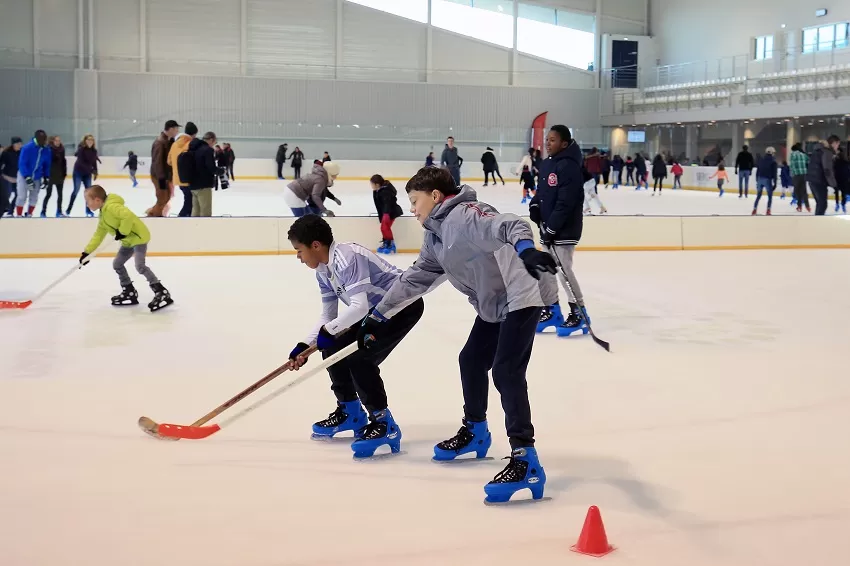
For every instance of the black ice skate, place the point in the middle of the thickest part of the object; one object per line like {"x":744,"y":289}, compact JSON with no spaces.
{"x":161,"y":297}
{"x":128,"y":297}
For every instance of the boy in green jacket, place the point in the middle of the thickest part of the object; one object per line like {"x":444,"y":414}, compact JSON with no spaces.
{"x":117,"y":219}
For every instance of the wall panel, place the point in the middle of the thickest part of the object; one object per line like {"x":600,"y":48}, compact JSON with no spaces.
{"x":381,"y":47}
{"x":57,"y":36}
{"x":16,"y":33}
{"x":116,"y":39}
{"x":292,"y":38}
{"x":459,"y":60}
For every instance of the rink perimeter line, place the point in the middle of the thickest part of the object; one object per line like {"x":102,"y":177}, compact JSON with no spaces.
{"x":416,"y":251}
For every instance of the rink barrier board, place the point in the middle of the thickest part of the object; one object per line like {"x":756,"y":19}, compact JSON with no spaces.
{"x":240,"y":236}
{"x":252,"y":169}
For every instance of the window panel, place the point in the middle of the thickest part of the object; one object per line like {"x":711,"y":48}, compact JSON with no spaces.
{"x":810,"y":39}
{"x":411,"y":9}
{"x":826,"y":35}
{"x":486,"y":24}
{"x":562,"y":44}
{"x":537,"y":13}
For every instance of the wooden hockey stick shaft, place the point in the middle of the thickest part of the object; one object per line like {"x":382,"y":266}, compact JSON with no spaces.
{"x":244,"y":393}
{"x":67,"y":274}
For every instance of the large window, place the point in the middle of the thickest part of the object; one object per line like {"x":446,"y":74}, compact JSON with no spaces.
{"x":764,"y":47}
{"x":558,"y":35}
{"x":487,"y":20}
{"x":412,"y":9}
{"x":825,"y":38}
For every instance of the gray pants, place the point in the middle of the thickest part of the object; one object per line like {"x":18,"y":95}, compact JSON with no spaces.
{"x":564,"y":256}
{"x":123,"y":255}
{"x":25,"y":193}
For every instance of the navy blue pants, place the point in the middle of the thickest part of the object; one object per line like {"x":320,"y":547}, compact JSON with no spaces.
{"x":505,"y":348}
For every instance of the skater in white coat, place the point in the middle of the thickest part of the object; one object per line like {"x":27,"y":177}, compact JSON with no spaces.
{"x":590,"y":195}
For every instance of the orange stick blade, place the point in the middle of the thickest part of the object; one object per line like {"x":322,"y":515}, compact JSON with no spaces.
{"x":14,"y":304}
{"x":187,"y":432}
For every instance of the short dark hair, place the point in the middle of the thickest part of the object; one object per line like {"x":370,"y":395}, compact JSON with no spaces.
{"x":97,"y":192}
{"x":833,"y":138}
{"x":210,"y":136}
{"x":450,"y":138}
{"x":746,"y":147}
{"x":377,"y":179}
{"x":433,"y":179}
{"x":797,"y":147}
{"x":563,"y":132}
{"x":309,"y":229}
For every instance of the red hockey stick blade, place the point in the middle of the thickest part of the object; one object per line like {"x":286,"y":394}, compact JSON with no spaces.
{"x":14,"y":304}
{"x":187,"y":432}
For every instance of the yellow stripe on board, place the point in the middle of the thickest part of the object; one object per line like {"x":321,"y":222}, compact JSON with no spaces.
{"x":416,"y":251}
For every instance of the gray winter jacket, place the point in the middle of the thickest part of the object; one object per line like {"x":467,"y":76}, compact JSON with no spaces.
{"x":821,"y":167}
{"x":312,"y":187}
{"x":473,"y":246}
{"x":450,"y":158}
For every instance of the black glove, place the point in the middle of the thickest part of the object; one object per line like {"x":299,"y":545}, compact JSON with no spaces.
{"x":83,"y":257}
{"x":30,"y":183}
{"x":45,"y":183}
{"x":534,"y":213}
{"x":299,"y":349}
{"x":119,"y":236}
{"x":535,"y":261}
{"x":547,"y":237}
{"x":370,"y":330}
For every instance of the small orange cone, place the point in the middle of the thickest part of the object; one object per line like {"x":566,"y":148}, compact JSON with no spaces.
{"x":593,"y":541}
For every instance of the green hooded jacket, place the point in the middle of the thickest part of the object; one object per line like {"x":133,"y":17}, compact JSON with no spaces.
{"x":115,"y":217}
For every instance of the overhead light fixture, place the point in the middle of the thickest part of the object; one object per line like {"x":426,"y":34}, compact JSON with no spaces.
{"x":796,"y":117}
{"x":625,"y":39}
{"x":634,"y":125}
{"x":679,"y":123}
{"x":782,"y":26}
{"x":821,"y":121}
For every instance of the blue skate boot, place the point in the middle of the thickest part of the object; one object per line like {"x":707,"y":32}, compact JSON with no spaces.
{"x":382,"y":430}
{"x":389,"y":247}
{"x":382,"y":249}
{"x":471,"y":437}
{"x":523,"y":471}
{"x":349,"y":415}
{"x":573,"y":322}
{"x":551,"y":316}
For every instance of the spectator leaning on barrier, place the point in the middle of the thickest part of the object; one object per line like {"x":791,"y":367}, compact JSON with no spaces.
{"x":821,"y":173}
{"x":160,"y":175}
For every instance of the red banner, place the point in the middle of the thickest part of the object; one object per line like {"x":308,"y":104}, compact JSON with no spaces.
{"x":538,"y":132}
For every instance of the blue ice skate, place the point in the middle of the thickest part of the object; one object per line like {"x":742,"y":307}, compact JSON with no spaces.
{"x":388,"y":247}
{"x":551,"y":316}
{"x":524,"y":200}
{"x":471,"y":437}
{"x":793,"y":201}
{"x":349,"y":415}
{"x":381,"y":431}
{"x":721,"y":193}
{"x":523,"y":471}
{"x":574,"y":322}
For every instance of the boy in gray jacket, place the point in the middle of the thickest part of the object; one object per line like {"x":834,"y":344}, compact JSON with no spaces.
{"x":490,"y":258}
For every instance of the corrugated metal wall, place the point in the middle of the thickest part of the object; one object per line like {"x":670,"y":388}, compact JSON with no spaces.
{"x":33,"y":99}
{"x":292,"y":38}
{"x":381,"y":47}
{"x":193,"y":36}
{"x":117,"y":40}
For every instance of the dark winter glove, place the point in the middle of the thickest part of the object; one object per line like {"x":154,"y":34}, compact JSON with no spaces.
{"x":45,"y":183}
{"x":534,"y":213}
{"x":119,"y":236}
{"x":30,"y":183}
{"x":547,"y":237}
{"x":325,"y":340}
{"x":299,"y":349}
{"x":83,"y":257}
{"x":370,"y":330}
{"x":535,"y":260}
{"x":336,"y":200}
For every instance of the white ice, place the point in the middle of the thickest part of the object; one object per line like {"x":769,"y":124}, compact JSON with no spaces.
{"x":715,"y":433}
{"x":264,"y":198}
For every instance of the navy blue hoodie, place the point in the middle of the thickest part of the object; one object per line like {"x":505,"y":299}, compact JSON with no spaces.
{"x":560,"y":196}
{"x":768,"y":168}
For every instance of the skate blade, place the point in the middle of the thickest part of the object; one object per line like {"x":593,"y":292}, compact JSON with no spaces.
{"x":463,"y":461}
{"x":516,"y":502}
{"x":379,"y":457}
{"x":332,"y":439}
{"x":159,"y":307}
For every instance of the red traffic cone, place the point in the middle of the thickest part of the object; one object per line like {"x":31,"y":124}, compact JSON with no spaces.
{"x":593,"y":541}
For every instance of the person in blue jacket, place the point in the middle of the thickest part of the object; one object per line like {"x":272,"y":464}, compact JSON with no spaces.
{"x":766,"y":179}
{"x":557,"y":210}
{"x":33,"y":172}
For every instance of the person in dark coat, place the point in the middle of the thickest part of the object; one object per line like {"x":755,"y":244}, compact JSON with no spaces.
{"x":386,"y":203}
{"x":766,"y":179}
{"x":429,"y":160}
{"x":606,"y":169}
{"x":659,"y":173}
{"x":491,"y":166}
{"x":280,"y":159}
{"x":842,"y":180}
{"x":229,"y":158}
{"x":744,"y":165}
{"x":132,"y":164}
{"x":85,"y":169}
{"x":640,"y":172}
{"x":617,"y":165}
{"x":326,"y":157}
{"x":821,"y":173}
{"x":9,"y":175}
{"x":297,"y":159}
{"x":58,"y":172}
{"x":206,"y":172}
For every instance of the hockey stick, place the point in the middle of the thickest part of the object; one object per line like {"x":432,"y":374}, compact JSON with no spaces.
{"x":67,"y":274}
{"x":196,"y":431}
{"x":602,"y":343}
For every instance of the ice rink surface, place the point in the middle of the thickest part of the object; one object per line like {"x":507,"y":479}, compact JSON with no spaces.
{"x":264,"y":198}
{"x":715,"y":433}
